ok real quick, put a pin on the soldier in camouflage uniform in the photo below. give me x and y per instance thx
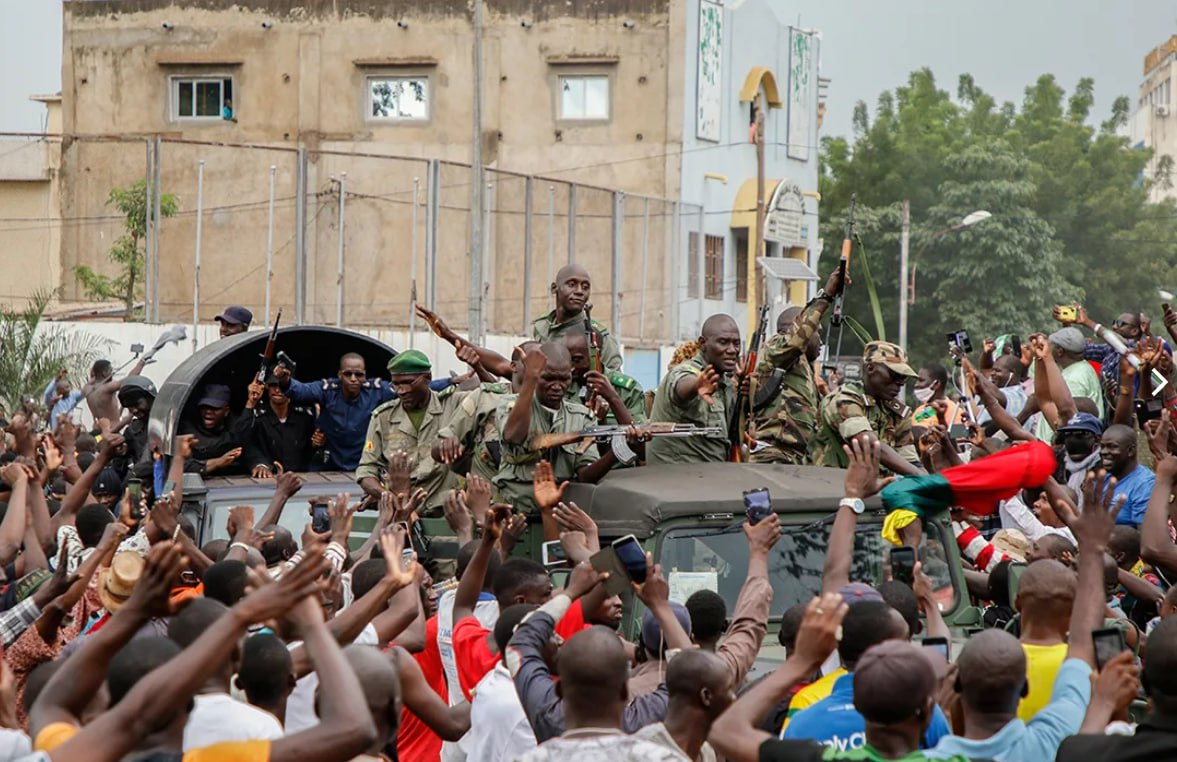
(617, 392)
(541, 407)
(870, 408)
(699, 391)
(572, 290)
(786, 398)
(410, 423)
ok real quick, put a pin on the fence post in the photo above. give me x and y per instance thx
(300, 241)
(571, 223)
(413, 268)
(339, 252)
(618, 231)
(432, 199)
(270, 243)
(551, 242)
(527, 191)
(149, 208)
(155, 203)
(645, 269)
(196, 265)
(675, 239)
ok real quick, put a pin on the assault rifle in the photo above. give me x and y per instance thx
(741, 412)
(607, 433)
(269, 354)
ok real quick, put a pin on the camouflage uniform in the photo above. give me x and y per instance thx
(518, 462)
(546, 329)
(473, 424)
(391, 430)
(850, 411)
(627, 388)
(698, 449)
(788, 421)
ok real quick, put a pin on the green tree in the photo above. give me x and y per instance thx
(33, 350)
(127, 252)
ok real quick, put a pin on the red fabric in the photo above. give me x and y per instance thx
(978, 486)
(415, 742)
(472, 654)
(572, 622)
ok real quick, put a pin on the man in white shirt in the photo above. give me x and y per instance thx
(216, 716)
(499, 731)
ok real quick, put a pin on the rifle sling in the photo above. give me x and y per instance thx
(769, 390)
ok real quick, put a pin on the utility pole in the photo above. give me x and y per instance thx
(476, 275)
(904, 246)
(757, 249)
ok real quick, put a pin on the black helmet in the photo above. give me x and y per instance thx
(136, 384)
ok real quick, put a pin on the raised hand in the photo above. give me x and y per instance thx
(513, 530)
(862, 475)
(436, 324)
(400, 473)
(288, 484)
(449, 449)
(1101, 505)
(477, 497)
(496, 522)
(255, 393)
(654, 591)
(468, 354)
(183, 444)
(274, 599)
(583, 579)
(543, 484)
(164, 514)
(534, 362)
(456, 514)
(341, 519)
(707, 384)
(821, 629)
(392, 545)
(152, 594)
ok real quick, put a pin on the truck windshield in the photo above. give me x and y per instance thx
(717, 558)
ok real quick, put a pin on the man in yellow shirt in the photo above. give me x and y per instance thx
(1046, 595)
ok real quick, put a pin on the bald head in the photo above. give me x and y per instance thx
(380, 680)
(572, 289)
(556, 353)
(992, 671)
(1117, 450)
(593, 672)
(717, 324)
(571, 271)
(701, 684)
(1046, 592)
(785, 320)
(1009, 369)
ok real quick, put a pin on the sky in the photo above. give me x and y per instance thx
(868, 46)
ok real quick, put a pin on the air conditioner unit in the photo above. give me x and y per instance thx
(1162, 111)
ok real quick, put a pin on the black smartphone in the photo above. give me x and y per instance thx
(1148, 410)
(958, 431)
(1109, 643)
(903, 565)
(1015, 343)
(939, 645)
(629, 550)
(320, 520)
(960, 340)
(607, 560)
(757, 504)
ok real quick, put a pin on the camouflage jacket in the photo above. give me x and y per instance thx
(850, 411)
(546, 329)
(788, 420)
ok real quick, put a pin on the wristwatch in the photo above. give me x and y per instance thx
(853, 503)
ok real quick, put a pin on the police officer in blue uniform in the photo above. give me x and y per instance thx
(345, 408)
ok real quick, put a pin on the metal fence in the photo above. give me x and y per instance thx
(336, 236)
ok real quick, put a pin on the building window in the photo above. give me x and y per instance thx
(584, 97)
(713, 266)
(202, 98)
(398, 99)
(742, 265)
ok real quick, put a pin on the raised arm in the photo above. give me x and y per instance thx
(473, 579)
(862, 482)
(1091, 528)
(518, 425)
(12, 528)
(449, 722)
(991, 398)
(78, 493)
(1156, 546)
(486, 359)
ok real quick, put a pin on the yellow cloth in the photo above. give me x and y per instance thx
(812, 693)
(1042, 665)
(895, 521)
(56, 734)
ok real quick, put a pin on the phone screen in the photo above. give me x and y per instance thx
(134, 491)
(758, 505)
(320, 521)
(629, 550)
(937, 644)
(903, 565)
(607, 560)
(1109, 643)
(553, 553)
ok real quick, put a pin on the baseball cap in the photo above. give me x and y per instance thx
(891, 355)
(107, 483)
(214, 395)
(1069, 339)
(857, 592)
(652, 631)
(892, 681)
(1083, 422)
(235, 315)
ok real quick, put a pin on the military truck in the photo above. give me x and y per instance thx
(688, 516)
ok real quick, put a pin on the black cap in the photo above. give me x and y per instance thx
(107, 483)
(215, 395)
(235, 315)
(140, 384)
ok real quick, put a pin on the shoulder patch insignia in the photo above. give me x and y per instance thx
(622, 381)
(368, 446)
(446, 392)
(600, 327)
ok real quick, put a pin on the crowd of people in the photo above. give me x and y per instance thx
(1054, 459)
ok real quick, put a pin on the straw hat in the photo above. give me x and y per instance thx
(1012, 543)
(116, 584)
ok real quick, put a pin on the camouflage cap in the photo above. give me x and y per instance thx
(891, 355)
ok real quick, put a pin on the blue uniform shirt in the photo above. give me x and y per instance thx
(345, 422)
(62, 406)
(834, 722)
(1136, 488)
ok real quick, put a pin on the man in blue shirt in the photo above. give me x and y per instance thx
(835, 721)
(60, 398)
(345, 407)
(1117, 451)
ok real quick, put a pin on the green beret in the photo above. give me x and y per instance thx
(410, 361)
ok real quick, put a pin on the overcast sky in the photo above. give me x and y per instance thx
(868, 46)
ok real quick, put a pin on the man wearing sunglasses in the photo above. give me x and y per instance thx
(345, 408)
(870, 408)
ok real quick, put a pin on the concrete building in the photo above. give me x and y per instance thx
(1154, 121)
(598, 116)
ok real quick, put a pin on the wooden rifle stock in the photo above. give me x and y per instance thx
(844, 264)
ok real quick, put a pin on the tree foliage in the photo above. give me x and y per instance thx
(1071, 216)
(127, 252)
(32, 351)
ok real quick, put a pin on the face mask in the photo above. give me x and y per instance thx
(1077, 448)
(924, 396)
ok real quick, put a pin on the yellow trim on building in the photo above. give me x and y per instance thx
(760, 76)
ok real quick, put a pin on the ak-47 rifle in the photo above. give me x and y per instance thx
(843, 268)
(741, 411)
(270, 352)
(605, 433)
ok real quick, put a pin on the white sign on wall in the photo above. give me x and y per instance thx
(801, 82)
(709, 96)
(785, 219)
